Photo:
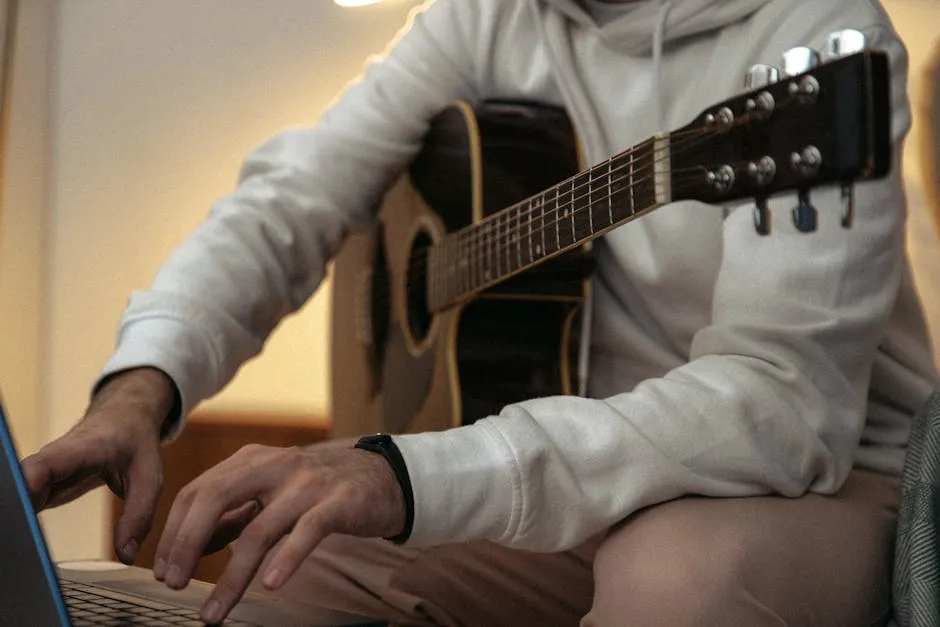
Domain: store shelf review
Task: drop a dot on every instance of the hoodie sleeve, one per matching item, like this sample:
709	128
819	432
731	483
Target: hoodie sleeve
262	251
772	400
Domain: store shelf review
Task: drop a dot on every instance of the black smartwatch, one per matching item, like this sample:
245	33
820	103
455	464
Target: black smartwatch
384	445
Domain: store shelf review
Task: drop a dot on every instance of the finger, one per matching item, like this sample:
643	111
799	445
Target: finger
306	535
58	462
195	515
141	488
231	526
257	539
73	487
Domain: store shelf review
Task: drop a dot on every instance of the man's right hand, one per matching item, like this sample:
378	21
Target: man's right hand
116	443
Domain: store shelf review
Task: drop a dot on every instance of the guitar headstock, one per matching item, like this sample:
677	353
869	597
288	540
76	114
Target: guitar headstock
800	127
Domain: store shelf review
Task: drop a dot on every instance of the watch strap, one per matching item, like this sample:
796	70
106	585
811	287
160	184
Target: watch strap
384	445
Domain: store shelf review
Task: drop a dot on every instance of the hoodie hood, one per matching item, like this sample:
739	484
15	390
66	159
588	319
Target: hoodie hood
634	33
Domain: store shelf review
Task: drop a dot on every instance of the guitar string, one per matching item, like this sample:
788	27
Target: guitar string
419	259
475	230
538	213
492	247
644	145
506	256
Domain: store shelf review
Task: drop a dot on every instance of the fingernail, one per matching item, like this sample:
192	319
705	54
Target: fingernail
130	549
174	578
159	569
272	579
212	612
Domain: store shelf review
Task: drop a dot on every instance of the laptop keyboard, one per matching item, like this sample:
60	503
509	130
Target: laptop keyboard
91	606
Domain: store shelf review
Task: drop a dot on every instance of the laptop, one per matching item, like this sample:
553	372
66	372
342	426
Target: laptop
35	592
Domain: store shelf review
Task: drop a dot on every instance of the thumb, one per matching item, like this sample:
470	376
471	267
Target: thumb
142	486
59	473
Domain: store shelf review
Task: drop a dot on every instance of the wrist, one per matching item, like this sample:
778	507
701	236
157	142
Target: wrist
385	446
149	391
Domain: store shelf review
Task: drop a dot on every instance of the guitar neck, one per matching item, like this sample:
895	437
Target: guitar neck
548	224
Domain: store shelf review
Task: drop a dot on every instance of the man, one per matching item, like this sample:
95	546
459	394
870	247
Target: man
778	373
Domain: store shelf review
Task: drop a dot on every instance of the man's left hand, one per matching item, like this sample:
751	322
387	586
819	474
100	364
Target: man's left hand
304	493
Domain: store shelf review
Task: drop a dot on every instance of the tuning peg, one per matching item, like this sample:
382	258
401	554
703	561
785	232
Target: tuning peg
804	214
761	217
843	43
758	76
798	60
848	205
761	75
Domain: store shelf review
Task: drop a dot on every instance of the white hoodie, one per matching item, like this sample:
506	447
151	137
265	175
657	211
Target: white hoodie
722	363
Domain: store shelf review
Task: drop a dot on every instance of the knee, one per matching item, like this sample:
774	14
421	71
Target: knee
664	591
668	574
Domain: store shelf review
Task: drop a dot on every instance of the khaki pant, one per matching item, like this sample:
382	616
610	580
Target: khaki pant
744	562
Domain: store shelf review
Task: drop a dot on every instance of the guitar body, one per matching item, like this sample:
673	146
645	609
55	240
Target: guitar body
398	368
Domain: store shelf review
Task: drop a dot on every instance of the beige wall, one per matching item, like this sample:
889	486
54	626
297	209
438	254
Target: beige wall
916	21
22	225
156	103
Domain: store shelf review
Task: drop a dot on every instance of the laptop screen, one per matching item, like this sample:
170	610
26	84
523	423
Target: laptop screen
29	590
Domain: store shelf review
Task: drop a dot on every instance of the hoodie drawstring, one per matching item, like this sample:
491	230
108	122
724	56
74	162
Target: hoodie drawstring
659	36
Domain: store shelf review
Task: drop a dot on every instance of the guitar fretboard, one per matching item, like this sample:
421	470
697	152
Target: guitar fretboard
543	226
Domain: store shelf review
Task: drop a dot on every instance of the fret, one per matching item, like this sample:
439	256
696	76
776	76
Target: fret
502	245
478	257
504	240
488	248
510	236
631	184
518	232
480	249
580	208
494	249
590	200
474	249
496	244
557	221
571	209
474	259
530	218
507	249
598	217
541	251
610	192
619	186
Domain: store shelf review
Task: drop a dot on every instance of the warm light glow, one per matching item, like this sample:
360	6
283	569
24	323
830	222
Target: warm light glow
356	3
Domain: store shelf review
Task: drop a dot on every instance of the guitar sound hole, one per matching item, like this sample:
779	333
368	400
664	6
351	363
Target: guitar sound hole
419	317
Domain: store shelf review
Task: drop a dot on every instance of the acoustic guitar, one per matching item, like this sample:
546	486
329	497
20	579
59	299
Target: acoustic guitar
467	293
